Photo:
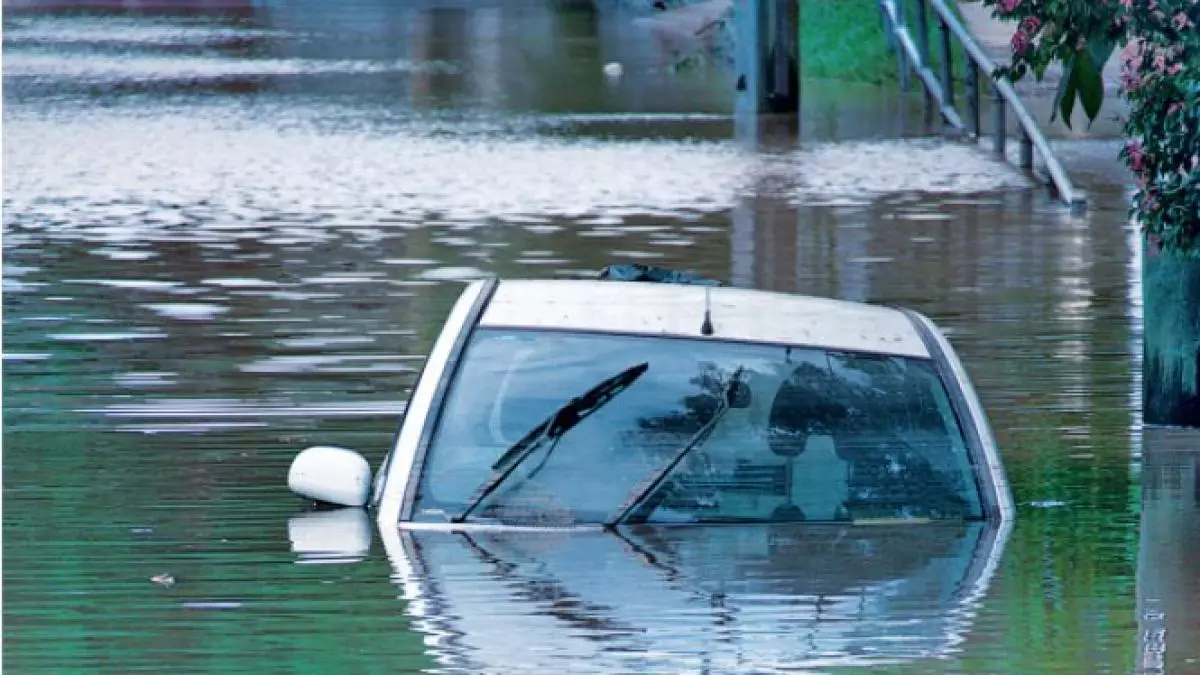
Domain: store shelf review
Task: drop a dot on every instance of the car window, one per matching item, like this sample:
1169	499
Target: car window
818	435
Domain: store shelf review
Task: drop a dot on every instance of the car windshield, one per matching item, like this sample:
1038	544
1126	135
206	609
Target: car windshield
804	434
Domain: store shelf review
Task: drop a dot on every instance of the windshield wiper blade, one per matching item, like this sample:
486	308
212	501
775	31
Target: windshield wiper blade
648	487
558	423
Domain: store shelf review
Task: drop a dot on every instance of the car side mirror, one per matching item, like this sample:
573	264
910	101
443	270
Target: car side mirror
331	475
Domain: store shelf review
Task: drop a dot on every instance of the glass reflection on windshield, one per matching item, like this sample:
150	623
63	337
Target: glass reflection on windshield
817	435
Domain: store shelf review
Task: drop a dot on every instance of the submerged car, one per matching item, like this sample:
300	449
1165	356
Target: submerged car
599	403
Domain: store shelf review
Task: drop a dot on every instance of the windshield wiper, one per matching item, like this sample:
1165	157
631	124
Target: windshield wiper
558	423
636	503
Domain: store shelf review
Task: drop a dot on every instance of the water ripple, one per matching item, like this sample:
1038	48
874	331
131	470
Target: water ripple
865	168
143	69
209	409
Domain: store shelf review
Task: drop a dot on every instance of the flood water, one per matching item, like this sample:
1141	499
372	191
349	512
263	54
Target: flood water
234	231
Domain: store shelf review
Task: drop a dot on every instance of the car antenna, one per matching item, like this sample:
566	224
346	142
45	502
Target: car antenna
706	328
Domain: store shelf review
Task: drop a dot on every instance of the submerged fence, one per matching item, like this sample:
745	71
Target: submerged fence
939	86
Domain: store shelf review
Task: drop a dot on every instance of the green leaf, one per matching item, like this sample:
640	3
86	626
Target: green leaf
1101	50
1064	99
1090	85
1039	69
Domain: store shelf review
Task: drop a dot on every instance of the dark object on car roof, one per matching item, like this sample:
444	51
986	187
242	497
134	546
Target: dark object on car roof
660	275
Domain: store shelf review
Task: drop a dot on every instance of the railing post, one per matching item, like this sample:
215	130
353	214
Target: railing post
768	56
998	125
1026	158
973	96
784	55
923	32
903	59
947	66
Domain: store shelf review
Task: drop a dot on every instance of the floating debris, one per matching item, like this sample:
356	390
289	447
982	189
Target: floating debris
165	579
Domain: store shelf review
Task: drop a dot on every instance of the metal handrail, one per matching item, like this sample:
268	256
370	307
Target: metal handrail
927	76
942	91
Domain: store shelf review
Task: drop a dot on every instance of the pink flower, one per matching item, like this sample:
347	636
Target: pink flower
1030	24
1008	6
1020	42
1181	21
1136	159
1131	56
1130	81
1174	108
1131	61
1174	68
1127	4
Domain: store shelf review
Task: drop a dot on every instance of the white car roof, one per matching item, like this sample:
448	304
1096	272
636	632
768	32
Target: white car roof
678	310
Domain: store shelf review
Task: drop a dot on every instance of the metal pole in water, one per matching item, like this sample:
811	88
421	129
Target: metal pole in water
1026	158
766	105
767	64
923	32
768	58
998	125
905	80
748	20
784	55
947	65
973	96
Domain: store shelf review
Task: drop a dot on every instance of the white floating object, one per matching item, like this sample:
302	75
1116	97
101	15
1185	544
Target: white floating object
614	69
164	579
332	475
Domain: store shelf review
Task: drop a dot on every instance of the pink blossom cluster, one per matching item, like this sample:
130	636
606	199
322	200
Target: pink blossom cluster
1141	63
1022	40
1164	160
1131	65
1137	162
1158	67
1137	159
1008	6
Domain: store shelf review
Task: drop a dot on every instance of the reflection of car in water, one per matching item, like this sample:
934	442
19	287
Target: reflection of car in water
597	403
746	598
546	499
